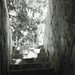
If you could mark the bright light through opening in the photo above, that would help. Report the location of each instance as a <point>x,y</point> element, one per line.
<point>23,44</point>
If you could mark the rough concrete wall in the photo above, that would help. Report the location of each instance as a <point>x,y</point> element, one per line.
<point>0,41</point>
<point>59,32</point>
<point>5,37</point>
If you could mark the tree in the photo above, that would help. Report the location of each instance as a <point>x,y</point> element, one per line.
<point>25,18</point>
<point>22,21</point>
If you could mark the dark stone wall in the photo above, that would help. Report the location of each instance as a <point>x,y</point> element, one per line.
<point>5,38</point>
<point>0,40</point>
<point>59,39</point>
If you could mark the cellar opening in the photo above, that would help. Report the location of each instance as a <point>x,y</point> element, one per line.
<point>27,23</point>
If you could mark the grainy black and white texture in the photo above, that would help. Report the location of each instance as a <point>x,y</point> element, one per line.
<point>59,38</point>
<point>5,38</point>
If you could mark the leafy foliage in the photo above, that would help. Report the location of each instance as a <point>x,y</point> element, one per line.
<point>25,16</point>
<point>23,21</point>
